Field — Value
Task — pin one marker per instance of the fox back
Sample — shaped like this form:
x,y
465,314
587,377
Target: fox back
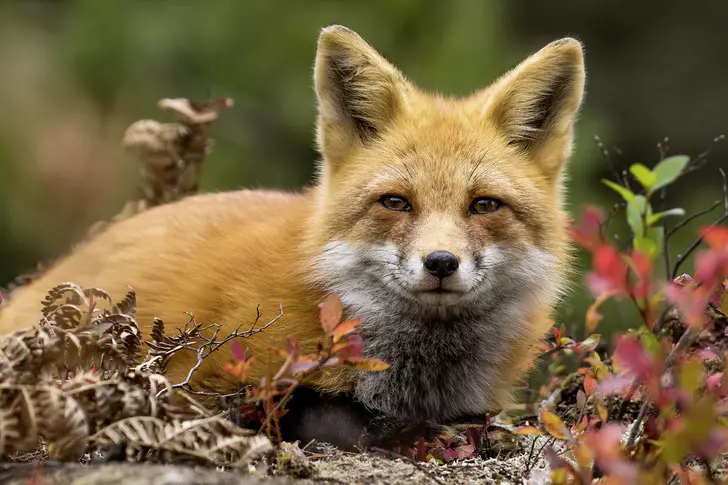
x,y
440,221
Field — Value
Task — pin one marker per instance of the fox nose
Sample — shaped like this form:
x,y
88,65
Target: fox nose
x,y
441,263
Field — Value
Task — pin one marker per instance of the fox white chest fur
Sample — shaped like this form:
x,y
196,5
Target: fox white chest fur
x,y
446,361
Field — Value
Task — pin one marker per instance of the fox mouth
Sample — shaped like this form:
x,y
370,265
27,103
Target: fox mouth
x,y
439,291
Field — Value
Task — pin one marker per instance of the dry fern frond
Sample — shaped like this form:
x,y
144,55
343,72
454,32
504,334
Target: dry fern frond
x,y
171,154
213,440
75,383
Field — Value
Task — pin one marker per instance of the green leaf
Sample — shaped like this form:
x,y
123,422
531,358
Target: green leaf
x,y
691,377
642,204
650,343
693,430
646,245
626,194
635,221
668,170
643,175
655,218
636,214
591,342
647,209
656,234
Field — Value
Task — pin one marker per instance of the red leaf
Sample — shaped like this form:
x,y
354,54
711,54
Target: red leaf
x,y
238,353
606,444
713,381
716,237
448,454
615,384
632,356
474,434
711,266
590,385
345,328
607,439
642,265
593,317
690,301
421,450
464,451
350,348
331,312
445,441
588,234
302,366
610,271
707,354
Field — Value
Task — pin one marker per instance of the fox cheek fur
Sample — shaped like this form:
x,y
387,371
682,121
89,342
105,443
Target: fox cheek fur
x,y
450,354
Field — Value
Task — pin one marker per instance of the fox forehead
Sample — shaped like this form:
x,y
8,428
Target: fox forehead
x,y
441,163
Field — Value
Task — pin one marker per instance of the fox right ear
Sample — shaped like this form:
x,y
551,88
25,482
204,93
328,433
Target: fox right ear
x,y
358,92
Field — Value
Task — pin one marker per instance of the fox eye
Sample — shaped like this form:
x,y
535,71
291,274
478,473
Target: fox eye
x,y
485,205
395,203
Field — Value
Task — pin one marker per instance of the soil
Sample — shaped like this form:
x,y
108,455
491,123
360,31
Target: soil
x,y
330,467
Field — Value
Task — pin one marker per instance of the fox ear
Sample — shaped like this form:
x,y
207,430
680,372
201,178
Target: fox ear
x,y
358,91
536,103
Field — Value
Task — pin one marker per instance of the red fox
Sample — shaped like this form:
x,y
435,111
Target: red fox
x,y
440,221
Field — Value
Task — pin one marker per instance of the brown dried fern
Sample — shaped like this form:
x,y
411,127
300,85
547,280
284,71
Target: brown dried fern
x,y
75,383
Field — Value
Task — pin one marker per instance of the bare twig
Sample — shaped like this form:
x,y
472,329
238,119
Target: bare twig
x,y
681,258
211,344
608,158
691,218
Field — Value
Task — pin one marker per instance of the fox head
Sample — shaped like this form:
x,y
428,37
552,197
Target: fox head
x,y
439,201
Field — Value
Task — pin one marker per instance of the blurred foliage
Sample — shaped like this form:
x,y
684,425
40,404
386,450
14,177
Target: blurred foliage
x,y
77,72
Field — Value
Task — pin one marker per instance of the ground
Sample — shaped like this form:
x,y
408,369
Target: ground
x,y
331,467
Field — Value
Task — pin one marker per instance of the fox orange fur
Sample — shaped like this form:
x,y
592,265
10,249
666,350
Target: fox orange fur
x,y
440,221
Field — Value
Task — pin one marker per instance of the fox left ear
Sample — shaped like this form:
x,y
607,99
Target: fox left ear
x,y
536,104
358,92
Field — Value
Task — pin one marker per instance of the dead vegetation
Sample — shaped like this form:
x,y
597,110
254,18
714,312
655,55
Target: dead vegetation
x,y
75,384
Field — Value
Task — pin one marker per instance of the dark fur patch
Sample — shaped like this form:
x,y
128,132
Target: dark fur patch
x,y
343,421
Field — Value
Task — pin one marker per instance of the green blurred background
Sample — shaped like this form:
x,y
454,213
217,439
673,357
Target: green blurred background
x,y
75,73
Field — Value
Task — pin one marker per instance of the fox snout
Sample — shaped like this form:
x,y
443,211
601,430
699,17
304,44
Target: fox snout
x,y
441,264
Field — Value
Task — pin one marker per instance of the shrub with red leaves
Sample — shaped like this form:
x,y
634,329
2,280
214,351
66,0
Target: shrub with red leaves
x,y
683,413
